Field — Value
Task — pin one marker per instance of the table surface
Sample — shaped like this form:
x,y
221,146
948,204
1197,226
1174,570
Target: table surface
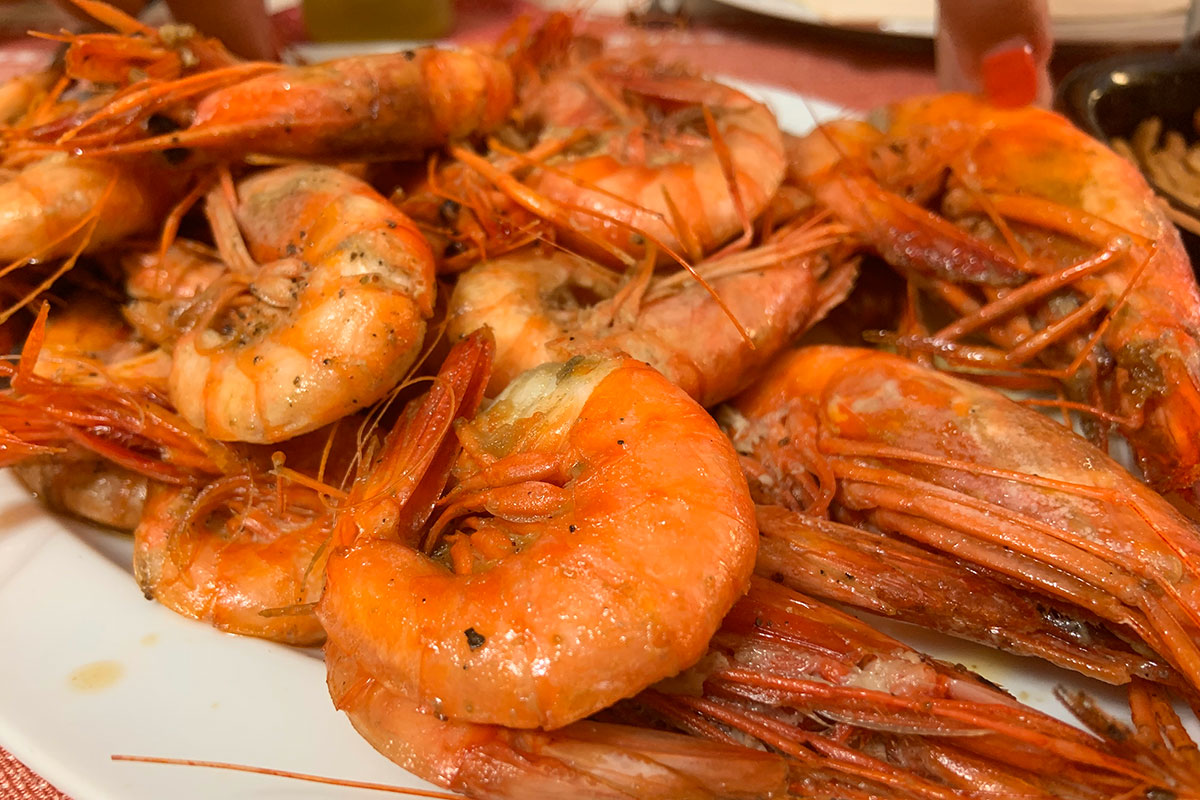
x,y
854,69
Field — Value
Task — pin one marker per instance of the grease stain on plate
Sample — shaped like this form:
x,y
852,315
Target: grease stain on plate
x,y
96,676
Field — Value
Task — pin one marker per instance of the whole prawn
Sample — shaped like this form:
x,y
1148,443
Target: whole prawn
x,y
1049,251
526,611
610,159
87,344
667,157
464,739
390,105
710,340
955,467
319,318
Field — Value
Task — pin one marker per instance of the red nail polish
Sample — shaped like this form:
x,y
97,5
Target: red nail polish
x,y
1010,76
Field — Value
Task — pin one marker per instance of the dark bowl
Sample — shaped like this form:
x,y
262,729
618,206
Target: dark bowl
x,y
1109,98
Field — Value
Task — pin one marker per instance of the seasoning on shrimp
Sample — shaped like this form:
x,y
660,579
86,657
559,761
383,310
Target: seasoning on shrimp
x,y
324,321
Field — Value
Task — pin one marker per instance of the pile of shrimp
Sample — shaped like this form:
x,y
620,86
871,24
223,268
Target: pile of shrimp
x,y
570,404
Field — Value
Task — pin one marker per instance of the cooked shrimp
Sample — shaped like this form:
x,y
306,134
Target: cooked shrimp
x,y
585,759
87,343
866,569
395,105
956,467
60,204
327,324
544,307
838,710
87,338
113,411
88,487
1107,302
242,554
525,606
685,163
842,699
19,93
163,286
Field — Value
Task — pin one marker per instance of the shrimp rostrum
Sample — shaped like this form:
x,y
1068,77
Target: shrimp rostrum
x,y
1047,253
888,445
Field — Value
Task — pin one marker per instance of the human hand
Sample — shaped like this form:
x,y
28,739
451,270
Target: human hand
x,y
979,48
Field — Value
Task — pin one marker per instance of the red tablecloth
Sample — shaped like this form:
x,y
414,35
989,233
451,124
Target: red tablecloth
x,y
856,70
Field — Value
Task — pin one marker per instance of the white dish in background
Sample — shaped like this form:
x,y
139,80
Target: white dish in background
x,y
91,669
1157,21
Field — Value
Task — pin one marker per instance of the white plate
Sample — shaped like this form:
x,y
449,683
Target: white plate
x,y
91,669
1164,27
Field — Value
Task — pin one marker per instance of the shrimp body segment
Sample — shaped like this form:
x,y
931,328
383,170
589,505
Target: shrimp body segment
x,y
598,531
335,315
902,449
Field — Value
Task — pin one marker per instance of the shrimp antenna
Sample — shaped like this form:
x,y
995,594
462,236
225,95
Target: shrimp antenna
x,y
283,773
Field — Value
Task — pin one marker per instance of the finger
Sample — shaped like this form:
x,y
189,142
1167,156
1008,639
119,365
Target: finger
x,y
243,25
969,31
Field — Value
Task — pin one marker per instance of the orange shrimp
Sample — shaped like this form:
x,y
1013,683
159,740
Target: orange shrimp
x,y
866,569
162,287
1103,296
20,93
59,205
244,554
327,324
845,701
609,159
87,344
47,409
545,307
585,759
838,709
666,157
520,605
396,105
884,443
86,487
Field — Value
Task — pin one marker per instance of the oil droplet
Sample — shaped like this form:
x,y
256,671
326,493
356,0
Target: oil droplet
x,y
96,676
149,639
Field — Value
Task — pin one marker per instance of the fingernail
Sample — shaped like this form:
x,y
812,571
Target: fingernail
x,y
1009,74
